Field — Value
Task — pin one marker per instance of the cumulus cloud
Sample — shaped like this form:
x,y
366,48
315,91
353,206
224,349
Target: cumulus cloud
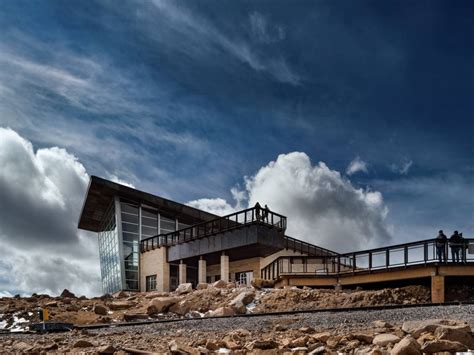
x,y
322,206
41,194
356,165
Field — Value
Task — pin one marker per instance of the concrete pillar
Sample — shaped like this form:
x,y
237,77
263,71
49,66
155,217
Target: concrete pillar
x,y
437,289
163,271
225,267
202,271
182,272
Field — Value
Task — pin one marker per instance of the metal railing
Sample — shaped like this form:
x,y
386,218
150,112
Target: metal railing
x,y
307,248
219,225
395,256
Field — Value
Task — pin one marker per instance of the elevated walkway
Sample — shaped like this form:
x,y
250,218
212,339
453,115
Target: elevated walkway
x,y
388,264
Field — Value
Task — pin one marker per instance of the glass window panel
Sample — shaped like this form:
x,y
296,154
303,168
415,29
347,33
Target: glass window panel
x,y
149,231
129,208
150,222
130,236
130,218
149,213
127,227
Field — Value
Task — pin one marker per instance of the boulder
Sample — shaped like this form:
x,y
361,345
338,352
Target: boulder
x,y
416,328
161,304
81,343
22,347
222,312
106,349
363,337
299,342
264,344
100,310
261,283
239,303
437,346
152,295
184,288
321,337
51,304
381,324
202,286
459,333
219,284
181,308
119,305
67,293
406,346
319,350
385,339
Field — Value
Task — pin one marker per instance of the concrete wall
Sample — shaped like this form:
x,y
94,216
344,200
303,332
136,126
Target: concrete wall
x,y
154,262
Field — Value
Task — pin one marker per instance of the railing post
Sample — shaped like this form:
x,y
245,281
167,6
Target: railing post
x,y
370,261
405,254
338,264
387,258
353,262
425,252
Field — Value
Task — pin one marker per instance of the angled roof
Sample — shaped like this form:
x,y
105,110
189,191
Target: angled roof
x,y
101,192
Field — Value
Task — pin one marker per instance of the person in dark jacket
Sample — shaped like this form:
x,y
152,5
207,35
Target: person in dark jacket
x,y
258,210
455,243
441,240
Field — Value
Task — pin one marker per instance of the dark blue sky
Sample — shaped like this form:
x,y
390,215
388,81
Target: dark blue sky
x,y
184,98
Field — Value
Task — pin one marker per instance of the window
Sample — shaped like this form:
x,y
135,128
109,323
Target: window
x,y
151,283
244,278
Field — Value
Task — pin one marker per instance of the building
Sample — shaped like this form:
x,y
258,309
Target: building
x,y
149,243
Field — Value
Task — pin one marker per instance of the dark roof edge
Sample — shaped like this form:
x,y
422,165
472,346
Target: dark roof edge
x,y
100,192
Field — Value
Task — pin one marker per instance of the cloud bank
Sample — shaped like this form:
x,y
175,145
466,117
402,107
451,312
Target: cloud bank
x,y
322,207
41,194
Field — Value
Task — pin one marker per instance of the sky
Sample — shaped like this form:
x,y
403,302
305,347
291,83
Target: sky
x,y
354,119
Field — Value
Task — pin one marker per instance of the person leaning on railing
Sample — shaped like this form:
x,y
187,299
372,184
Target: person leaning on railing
x,y
455,243
440,243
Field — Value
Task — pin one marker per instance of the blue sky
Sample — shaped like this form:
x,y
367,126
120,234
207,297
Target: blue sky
x,y
185,98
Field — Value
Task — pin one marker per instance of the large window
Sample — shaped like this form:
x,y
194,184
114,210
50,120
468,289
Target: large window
x,y
149,222
151,283
109,253
130,244
167,225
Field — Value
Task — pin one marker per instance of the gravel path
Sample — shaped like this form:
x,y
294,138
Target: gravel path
x,y
320,321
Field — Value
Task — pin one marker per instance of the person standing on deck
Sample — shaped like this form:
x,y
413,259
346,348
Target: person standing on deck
x,y
441,240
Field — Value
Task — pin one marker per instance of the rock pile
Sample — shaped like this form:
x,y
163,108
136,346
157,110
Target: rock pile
x,y
218,299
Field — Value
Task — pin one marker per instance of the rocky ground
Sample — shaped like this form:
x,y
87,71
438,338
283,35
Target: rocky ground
x,y
347,332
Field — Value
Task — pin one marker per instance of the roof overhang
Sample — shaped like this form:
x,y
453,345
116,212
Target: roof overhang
x,y
101,192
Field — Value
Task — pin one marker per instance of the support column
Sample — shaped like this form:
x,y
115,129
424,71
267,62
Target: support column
x,y
182,272
225,267
202,271
163,270
437,289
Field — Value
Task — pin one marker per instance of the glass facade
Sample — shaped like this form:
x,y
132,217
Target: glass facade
x,y
109,252
125,224
130,215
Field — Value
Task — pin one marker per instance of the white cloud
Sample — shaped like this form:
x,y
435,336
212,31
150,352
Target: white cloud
x,y
41,194
356,165
322,207
191,26
402,168
218,206
262,31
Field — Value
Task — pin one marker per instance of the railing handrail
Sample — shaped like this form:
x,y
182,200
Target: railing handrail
x,y
281,221
396,246
311,245
275,264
